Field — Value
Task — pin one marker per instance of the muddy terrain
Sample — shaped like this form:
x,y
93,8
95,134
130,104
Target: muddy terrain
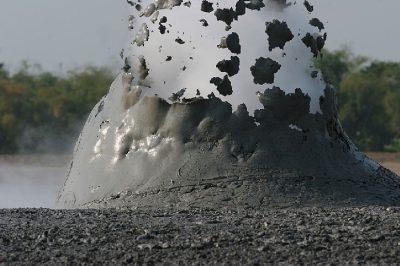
x,y
192,236
295,236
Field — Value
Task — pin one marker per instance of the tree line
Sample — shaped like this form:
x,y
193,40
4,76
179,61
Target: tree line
x,y
369,98
44,112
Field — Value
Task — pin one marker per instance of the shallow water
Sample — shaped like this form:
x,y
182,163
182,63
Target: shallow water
x,y
30,183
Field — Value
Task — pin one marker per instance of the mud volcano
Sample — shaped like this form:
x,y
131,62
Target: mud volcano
x,y
219,105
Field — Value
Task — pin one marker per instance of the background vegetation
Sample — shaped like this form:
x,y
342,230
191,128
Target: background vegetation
x,y
369,98
44,112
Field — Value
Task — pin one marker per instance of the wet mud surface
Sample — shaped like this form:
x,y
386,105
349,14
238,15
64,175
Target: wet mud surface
x,y
200,236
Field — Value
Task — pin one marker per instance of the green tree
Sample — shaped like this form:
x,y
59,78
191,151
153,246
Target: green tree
x,y
40,103
335,65
368,93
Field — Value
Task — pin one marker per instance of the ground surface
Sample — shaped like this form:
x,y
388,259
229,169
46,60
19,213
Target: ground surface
x,y
33,236
339,236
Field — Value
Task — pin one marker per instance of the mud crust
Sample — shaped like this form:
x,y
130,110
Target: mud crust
x,y
200,236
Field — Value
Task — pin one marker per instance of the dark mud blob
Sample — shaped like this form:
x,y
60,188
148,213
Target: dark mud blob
x,y
224,86
176,97
187,4
162,29
126,66
169,58
315,22
255,4
180,41
225,15
240,8
264,70
316,44
233,43
308,6
231,67
284,107
204,22
279,34
207,6
161,26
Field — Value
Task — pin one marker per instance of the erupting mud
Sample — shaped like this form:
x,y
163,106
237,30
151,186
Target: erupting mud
x,y
219,105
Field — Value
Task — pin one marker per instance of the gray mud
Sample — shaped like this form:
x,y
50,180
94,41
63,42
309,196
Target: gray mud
x,y
295,236
201,153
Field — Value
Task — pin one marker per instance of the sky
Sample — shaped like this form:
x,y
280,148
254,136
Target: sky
x,y
62,35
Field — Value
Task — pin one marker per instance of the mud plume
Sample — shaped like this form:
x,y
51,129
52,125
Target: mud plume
x,y
219,105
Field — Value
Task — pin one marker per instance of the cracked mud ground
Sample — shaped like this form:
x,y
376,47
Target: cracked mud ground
x,y
294,235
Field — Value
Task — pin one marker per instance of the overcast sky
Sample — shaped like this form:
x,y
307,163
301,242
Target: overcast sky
x,y
73,33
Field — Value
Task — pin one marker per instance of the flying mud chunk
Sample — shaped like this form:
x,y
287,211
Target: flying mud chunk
x,y
240,8
180,41
231,67
126,66
204,22
161,26
315,22
279,34
176,97
308,6
264,70
232,42
226,15
315,43
224,86
207,6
